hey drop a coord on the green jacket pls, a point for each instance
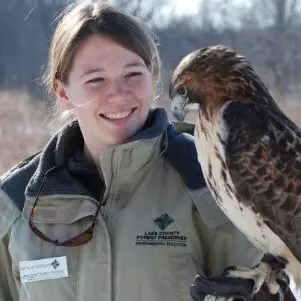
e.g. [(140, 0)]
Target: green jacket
[(158, 226)]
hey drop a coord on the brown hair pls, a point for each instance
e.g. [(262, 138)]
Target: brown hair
[(79, 21)]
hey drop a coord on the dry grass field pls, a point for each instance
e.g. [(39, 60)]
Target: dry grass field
[(24, 125)]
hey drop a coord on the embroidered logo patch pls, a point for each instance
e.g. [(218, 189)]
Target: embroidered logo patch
[(163, 237), (163, 221)]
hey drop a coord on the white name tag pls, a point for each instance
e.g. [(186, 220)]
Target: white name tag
[(43, 269)]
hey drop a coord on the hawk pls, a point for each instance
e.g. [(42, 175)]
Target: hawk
[(249, 150)]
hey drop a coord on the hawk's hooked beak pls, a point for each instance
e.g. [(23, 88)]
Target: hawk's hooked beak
[(178, 106)]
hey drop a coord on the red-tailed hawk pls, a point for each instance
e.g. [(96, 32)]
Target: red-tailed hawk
[(249, 150)]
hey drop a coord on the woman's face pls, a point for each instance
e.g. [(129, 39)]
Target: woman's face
[(110, 89)]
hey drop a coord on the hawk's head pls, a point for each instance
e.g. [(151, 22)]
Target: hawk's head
[(210, 77)]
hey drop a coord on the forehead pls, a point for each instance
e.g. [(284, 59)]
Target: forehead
[(99, 49)]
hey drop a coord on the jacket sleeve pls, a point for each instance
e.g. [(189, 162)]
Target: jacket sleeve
[(8, 288), (223, 244), (8, 214)]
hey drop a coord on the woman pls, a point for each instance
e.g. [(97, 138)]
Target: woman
[(114, 207)]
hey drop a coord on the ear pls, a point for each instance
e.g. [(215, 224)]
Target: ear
[(62, 94)]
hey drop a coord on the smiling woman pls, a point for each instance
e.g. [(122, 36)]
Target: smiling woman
[(102, 71), (109, 89)]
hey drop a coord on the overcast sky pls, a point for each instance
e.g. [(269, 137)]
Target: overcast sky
[(186, 6)]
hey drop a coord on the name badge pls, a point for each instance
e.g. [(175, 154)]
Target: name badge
[(43, 269)]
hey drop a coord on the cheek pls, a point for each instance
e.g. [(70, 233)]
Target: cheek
[(144, 91), (84, 114), (80, 91)]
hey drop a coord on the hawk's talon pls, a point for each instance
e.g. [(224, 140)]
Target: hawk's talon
[(269, 272), (259, 274), (281, 295), (283, 282)]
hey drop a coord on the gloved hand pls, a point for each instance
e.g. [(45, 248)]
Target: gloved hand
[(222, 288)]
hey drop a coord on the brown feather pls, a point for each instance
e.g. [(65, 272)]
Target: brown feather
[(265, 168), (250, 151)]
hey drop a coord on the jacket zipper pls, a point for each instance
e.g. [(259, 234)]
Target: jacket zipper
[(107, 193)]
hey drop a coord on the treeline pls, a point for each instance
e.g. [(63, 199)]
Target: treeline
[(270, 38)]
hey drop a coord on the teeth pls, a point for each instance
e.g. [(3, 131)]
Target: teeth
[(117, 115)]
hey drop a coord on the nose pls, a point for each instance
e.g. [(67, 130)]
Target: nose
[(117, 91)]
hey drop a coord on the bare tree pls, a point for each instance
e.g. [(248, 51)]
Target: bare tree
[(145, 9), (281, 51), (278, 40)]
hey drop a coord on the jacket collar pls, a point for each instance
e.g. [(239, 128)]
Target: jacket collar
[(62, 154), (180, 153)]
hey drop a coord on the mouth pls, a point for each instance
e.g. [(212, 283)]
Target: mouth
[(118, 115)]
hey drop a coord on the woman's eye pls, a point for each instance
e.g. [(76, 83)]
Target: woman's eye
[(133, 74), (95, 80)]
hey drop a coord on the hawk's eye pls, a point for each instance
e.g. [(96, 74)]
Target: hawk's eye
[(182, 91)]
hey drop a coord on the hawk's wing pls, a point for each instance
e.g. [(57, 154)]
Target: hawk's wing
[(263, 155)]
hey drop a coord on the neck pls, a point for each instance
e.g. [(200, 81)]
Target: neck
[(94, 154)]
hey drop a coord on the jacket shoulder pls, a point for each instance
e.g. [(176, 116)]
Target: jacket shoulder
[(17, 167), (8, 213), (13, 183), (182, 155)]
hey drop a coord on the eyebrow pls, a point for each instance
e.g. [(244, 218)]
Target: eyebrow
[(134, 64), (94, 70), (91, 70)]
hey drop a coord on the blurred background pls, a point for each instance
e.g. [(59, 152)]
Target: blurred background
[(266, 31)]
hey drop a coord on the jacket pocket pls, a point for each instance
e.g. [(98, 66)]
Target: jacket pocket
[(56, 222)]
